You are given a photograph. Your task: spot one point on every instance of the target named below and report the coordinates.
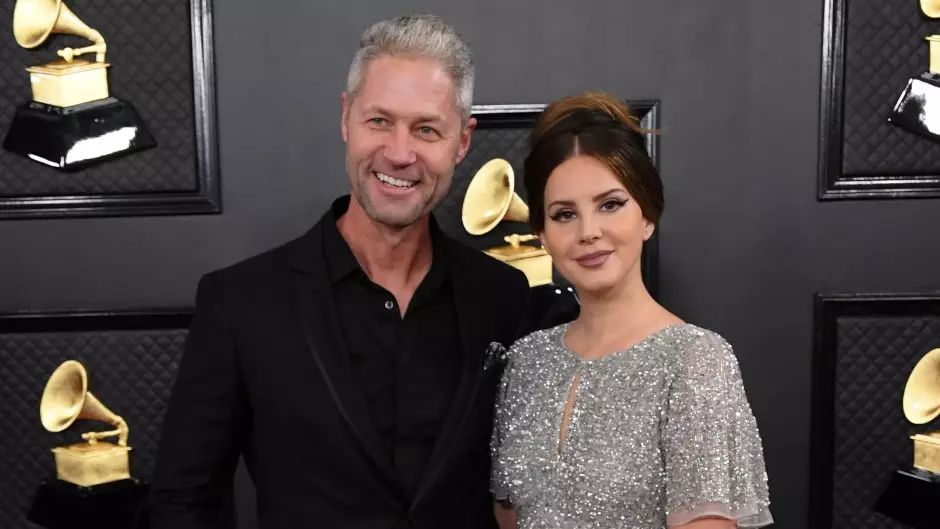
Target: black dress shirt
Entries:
(407, 366)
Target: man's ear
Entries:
(465, 135)
(345, 100)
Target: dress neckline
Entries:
(562, 329)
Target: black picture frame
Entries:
(144, 318)
(832, 184)
(26, 461)
(649, 111)
(206, 199)
(829, 309)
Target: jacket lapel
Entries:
(468, 307)
(321, 330)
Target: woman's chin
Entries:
(594, 287)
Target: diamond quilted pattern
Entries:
(151, 67)
(884, 46)
(130, 371)
(874, 358)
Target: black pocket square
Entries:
(496, 353)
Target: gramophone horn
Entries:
(491, 198)
(35, 20)
(66, 399)
(922, 391)
(931, 8)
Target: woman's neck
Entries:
(615, 319)
(608, 312)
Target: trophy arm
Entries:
(122, 432)
(100, 48)
(515, 239)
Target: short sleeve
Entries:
(712, 449)
(499, 480)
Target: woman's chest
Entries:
(599, 418)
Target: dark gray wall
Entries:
(744, 243)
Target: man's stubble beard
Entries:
(398, 222)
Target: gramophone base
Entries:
(927, 452)
(74, 138)
(910, 111)
(911, 497)
(535, 263)
(66, 84)
(117, 505)
(88, 465)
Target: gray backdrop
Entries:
(744, 242)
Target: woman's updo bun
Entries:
(600, 126)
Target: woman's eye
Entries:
(613, 205)
(561, 216)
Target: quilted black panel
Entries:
(884, 46)
(149, 49)
(131, 368)
(874, 356)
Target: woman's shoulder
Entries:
(696, 349)
(538, 342)
(691, 336)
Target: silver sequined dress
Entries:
(660, 433)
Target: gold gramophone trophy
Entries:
(72, 121)
(491, 199)
(912, 111)
(921, 405)
(93, 485)
(66, 399)
(913, 494)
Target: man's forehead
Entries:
(407, 88)
(416, 112)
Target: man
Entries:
(349, 366)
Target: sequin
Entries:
(660, 433)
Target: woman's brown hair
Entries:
(597, 125)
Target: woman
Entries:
(627, 417)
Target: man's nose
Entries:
(399, 149)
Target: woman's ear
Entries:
(648, 230)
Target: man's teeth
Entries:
(394, 181)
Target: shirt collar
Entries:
(341, 262)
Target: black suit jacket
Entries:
(265, 375)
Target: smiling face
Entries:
(594, 229)
(404, 136)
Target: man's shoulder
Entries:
(266, 264)
(488, 269)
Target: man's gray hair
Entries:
(424, 36)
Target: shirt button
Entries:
(389, 305)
